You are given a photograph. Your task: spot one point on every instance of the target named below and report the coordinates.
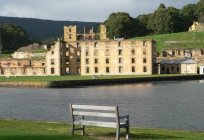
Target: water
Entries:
(172, 105)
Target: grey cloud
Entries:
(82, 10)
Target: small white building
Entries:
(201, 69)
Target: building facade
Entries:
(178, 66)
(22, 67)
(87, 54)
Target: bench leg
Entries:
(82, 130)
(72, 129)
(82, 127)
(118, 133)
(127, 132)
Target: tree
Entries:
(120, 25)
(189, 14)
(160, 22)
(13, 37)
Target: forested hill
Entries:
(41, 30)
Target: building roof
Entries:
(178, 61)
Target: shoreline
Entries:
(95, 82)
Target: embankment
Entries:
(92, 82)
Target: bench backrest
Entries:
(94, 111)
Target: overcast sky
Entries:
(82, 10)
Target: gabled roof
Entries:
(178, 61)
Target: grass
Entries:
(178, 40)
(31, 130)
(73, 77)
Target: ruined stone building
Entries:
(197, 27)
(22, 67)
(85, 55)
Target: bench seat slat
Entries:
(90, 107)
(95, 114)
(96, 123)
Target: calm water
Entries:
(173, 105)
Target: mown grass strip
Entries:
(32, 130)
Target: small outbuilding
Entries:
(178, 66)
(201, 68)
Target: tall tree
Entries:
(189, 14)
(13, 37)
(120, 25)
(160, 21)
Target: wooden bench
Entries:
(90, 115)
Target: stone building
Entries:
(178, 66)
(197, 27)
(182, 53)
(88, 56)
(22, 67)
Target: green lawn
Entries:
(72, 77)
(178, 40)
(31, 130)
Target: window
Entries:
(179, 52)
(78, 60)
(144, 52)
(120, 60)
(43, 64)
(96, 61)
(70, 30)
(164, 54)
(120, 52)
(52, 71)
(120, 69)
(67, 69)
(172, 68)
(107, 61)
(67, 61)
(177, 69)
(163, 68)
(87, 61)
(133, 69)
(87, 53)
(133, 60)
(133, 52)
(78, 53)
(144, 43)
(173, 53)
(70, 36)
(96, 69)
(52, 52)
(87, 69)
(144, 60)
(107, 52)
(202, 52)
(52, 61)
(78, 70)
(144, 69)
(119, 43)
(78, 45)
(95, 44)
(67, 53)
(107, 70)
(95, 52)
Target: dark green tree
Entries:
(13, 37)
(160, 22)
(189, 14)
(120, 25)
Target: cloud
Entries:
(82, 10)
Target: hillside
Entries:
(39, 29)
(178, 40)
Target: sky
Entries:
(82, 10)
